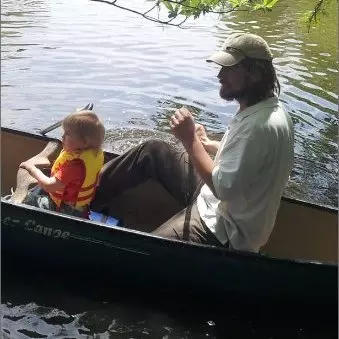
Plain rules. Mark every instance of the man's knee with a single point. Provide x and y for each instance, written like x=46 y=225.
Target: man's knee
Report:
x=156 y=146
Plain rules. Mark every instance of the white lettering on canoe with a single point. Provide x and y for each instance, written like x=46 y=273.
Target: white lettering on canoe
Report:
x=31 y=226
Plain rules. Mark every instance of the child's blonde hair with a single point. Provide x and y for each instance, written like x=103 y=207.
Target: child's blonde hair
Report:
x=87 y=126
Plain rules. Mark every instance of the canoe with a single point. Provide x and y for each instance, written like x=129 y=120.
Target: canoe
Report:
x=297 y=267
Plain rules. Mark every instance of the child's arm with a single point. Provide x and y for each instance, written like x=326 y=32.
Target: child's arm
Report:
x=49 y=184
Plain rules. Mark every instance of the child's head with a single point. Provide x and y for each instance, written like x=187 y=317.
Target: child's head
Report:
x=82 y=130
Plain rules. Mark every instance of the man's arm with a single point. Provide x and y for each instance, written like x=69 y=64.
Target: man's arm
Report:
x=202 y=162
x=49 y=184
x=183 y=127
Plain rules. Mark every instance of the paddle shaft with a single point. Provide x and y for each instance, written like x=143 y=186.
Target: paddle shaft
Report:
x=57 y=124
x=51 y=127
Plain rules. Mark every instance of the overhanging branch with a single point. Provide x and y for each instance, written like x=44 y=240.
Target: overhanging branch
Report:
x=157 y=6
x=184 y=8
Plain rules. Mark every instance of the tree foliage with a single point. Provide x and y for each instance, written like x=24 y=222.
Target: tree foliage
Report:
x=312 y=16
x=177 y=12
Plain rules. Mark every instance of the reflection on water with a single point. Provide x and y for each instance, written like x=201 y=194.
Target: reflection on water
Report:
x=58 y=55
x=96 y=320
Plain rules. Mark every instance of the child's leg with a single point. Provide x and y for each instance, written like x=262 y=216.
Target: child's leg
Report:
x=32 y=196
x=39 y=198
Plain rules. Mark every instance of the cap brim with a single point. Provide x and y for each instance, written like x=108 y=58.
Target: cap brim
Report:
x=225 y=59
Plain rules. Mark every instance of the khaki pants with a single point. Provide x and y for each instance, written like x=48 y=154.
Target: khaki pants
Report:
x=187 y=225
x=171 y=168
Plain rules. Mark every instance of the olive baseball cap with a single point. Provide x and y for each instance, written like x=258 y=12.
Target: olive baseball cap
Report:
x=238 y=46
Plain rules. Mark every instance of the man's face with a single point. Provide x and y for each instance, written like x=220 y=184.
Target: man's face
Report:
x=234 y=81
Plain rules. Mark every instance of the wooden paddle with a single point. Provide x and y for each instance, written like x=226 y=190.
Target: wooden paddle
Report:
x=24 y=180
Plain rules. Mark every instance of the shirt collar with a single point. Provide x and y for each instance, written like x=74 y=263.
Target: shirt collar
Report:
x=270 y=102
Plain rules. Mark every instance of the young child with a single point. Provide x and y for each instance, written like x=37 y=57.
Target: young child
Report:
x=74 y=175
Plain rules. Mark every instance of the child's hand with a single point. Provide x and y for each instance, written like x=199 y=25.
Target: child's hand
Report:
x=48 y=184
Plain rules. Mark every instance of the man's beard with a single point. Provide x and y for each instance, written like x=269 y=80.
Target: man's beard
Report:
x=250 y=94
x=233 y=94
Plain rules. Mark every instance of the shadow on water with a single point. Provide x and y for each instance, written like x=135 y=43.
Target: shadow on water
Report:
x=68 y=315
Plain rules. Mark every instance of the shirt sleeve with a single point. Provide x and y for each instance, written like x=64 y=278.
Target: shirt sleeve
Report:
x=238 y=166
x=71 y=172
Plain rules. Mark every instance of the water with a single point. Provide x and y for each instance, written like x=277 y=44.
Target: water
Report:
x=59 y=55
x=33 y=309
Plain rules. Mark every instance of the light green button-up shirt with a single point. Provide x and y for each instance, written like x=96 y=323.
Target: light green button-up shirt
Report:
x=252 y=167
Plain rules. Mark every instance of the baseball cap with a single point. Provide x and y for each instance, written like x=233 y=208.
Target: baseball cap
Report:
x=238 y=46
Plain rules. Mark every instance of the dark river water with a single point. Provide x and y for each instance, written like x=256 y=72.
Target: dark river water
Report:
x=59 y=55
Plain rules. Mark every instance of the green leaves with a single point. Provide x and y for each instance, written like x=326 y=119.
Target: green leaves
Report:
x=265 y=5
x=168 y=5
x=189 y=8
x=270 y=3
x=311 y=18
x=184 y=9
x=195 y=8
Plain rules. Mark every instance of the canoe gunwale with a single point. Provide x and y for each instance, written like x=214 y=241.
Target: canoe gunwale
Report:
x=32 y=134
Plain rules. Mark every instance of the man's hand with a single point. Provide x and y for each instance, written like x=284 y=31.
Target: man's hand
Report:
x=210 y=146
x=183 y=126
x=201 y=133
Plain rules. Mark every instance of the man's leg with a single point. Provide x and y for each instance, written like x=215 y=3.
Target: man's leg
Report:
x=155 y=160
x=187 y=225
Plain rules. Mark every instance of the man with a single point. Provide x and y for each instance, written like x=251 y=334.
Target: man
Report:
x=241 y=188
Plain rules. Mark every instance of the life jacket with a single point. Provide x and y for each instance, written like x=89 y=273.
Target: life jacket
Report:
x=93 y=163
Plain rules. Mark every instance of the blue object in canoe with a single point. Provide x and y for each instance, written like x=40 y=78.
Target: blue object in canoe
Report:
x=108 y=220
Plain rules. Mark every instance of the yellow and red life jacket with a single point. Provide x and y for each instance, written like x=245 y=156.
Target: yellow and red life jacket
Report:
x=93 y=162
